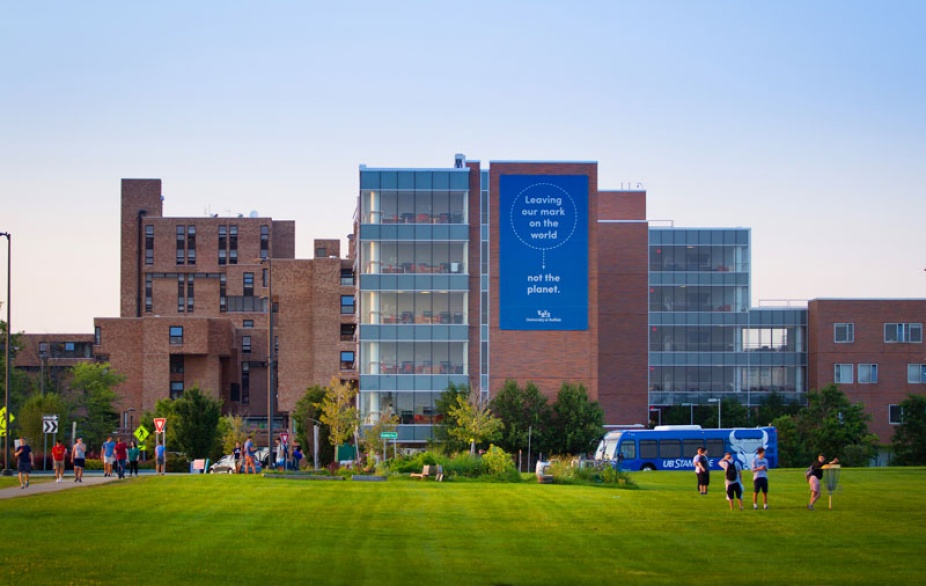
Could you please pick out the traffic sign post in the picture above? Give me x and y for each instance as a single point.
(389, 435)
(160, 428)
(49, 427)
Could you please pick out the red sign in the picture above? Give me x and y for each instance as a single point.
(159, 424)
(284, 437)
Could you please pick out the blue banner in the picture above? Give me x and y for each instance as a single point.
(543, 252)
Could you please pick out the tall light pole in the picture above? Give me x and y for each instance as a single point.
(719, 402)
(7, 471)
(270, 352)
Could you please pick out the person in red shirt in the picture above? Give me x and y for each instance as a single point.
(57, 457)
(121, 452)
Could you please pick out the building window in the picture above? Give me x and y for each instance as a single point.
(321, 252)
(176, 363)
(916, 374)
(264, 241)
(97, 337)
(233, 245)
(249, 284)
(843, 374)
(180, 294)
(189, 293)
(347, 360)
(895, 414)
(265, 278)
(248, 323)
(149, 288)
(246, 344)
(149, 245)
(191, 245)
(347, 277)
(867, 373)
(223, 244)
(245, 383)
(347, 332)
(223, 297)
(903, 333)
(844, 333)
(176, 389)
(347, 304)
(176, 334)
(181, 235)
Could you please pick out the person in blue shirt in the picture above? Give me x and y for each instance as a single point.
(760, 479)
(159, 458)
(109, 447)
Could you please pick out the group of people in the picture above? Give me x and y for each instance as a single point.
(733, 477)
(245, 456)
(119, 454)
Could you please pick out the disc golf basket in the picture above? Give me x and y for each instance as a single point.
(831, 478)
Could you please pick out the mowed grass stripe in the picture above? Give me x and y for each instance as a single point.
(240, 530)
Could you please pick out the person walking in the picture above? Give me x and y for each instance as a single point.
(297, 456)
(25, 460)
(733, 472)
(121, 454)
(160, 458)
(760, 479)
(133, 454)
(78, 455)
(248, 450)
(58, 452)
(815, 475)
(108, 456)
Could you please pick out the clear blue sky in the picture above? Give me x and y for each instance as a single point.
(805, 121)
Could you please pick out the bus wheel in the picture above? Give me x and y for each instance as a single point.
(648, 468)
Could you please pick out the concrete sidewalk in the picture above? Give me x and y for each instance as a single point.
(49, 484)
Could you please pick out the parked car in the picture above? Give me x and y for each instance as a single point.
(226, 464)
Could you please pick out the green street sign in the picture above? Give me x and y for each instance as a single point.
(389, 435)
(141, 434)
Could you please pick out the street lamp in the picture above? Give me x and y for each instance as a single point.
(719, 403)
(7, 471)
(270, 351)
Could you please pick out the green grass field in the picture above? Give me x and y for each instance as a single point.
(250, 530)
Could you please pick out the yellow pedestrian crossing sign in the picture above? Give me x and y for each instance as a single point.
(142, 433)
(3, 421)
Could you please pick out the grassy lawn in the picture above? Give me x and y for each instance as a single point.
(249, 530)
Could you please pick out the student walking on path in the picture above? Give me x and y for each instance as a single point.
(133, 454)
(25, 461)
(58, 452)
(78, 458)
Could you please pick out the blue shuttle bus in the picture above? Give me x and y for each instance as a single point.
(672, 447)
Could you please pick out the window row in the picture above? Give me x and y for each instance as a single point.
(186, 244)
(723, 339)
(414, 207)
(698, 298)
(894, 333)
(413, 257)
(868, 374)
(413, 358)
(725, 379)
(411, 407)
(699, 258)
(401, 307)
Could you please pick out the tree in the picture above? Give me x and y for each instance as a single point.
(791, 450)
(232, 431)
(475, 424)
(526, 414)
(338, 412)
(577, 421)
(92, 392)
(773, 406)
(30, 417)
(909, 441)
(196, 426)
(443, 405)
(373, 443)
(306, 413)
(836, 427)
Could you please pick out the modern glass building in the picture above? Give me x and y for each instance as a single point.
(413, 251)
(706, 341)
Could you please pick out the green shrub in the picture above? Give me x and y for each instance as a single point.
(499, 465)
(464, 466)
(566, 470)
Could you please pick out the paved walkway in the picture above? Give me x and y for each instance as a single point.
(49, 484)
